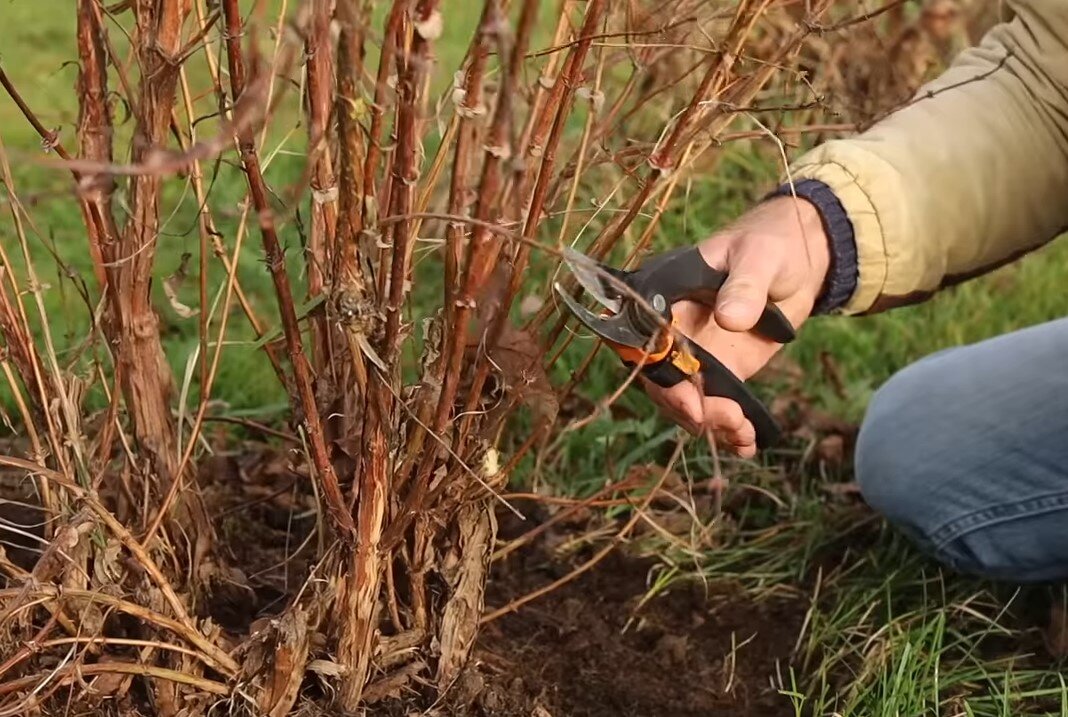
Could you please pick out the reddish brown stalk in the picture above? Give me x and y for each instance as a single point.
(350, 278)
(383, 197)
(276, 264)
(320, 70)
(351, 18)
(94, 127)
(558, 102)
(543, 85)
(387, 62)
(470, 111)
(359, 594)
(662, 161)
(498, 150)
(561, 99)
(147, 383)
(426, 22)
(365, 573)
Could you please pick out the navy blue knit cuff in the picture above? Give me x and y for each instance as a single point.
(842, 275)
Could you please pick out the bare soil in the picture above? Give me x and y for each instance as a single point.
(592, 649)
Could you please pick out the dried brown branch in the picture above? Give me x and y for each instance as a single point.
(71, 673)
(276, 264)
(321, 244)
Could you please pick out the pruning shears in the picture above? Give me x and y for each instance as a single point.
(637, 323)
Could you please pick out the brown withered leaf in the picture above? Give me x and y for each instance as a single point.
(108, 684)
(849, 489)
(107, 567)
(327, 668)
(392, 686)
(519, 360)
(467, 578)
(173, 283)
(831, 449)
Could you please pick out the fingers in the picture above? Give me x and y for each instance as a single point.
(681, 402)
(683, 405)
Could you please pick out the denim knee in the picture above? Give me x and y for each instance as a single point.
(965, 451)
(901, 463)
(925, 462)
(894, 449)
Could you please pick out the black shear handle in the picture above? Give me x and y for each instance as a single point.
(684, 274)
(719, 381)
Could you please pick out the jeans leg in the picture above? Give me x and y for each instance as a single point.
(967, 452)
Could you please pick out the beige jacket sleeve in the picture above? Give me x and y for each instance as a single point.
(969, 176)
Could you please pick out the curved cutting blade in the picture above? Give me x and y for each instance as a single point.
(591, 275)
(612, 328)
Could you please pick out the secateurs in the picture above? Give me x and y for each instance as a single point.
(638, 335)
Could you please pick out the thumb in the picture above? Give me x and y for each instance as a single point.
(743, 296)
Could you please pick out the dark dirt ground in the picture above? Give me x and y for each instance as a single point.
(585, 651)
(591, 648)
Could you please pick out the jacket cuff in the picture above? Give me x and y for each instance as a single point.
(841, 281)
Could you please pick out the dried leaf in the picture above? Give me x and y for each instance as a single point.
(595, 97)
(518, 358)
(174, 282)
(290, 653)
(432, 27)
(832, 449)
(107, 566)
(107, 684)
(467, 578)
(433, 339)
(395, 649)
(393, 685)
(491, 463)
(530, 305)
(370, 353)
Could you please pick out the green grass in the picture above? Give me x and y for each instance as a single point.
(889, 633)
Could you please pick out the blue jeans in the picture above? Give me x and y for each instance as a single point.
(966, 451)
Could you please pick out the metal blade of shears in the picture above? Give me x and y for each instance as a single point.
(591, 275)
(616, 328)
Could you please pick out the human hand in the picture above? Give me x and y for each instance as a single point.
(777, 251)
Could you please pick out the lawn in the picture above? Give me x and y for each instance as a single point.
(884, 632)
